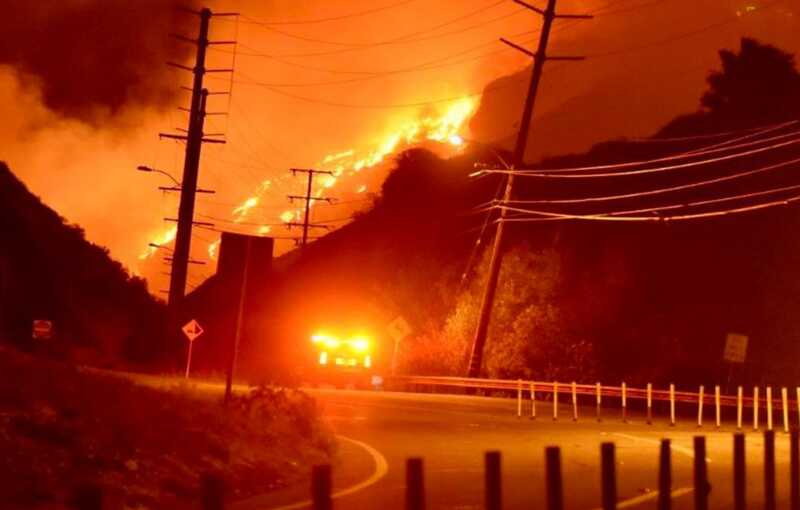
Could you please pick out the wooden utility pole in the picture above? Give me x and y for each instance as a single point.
(539, 58)
(308, 198)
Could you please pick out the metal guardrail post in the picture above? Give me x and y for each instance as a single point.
(519, 398)
(665, 476)
(599, 391)
(415, 484)
(756, 404)
(769, 407)
(574, 402)
(533, 401)
(701, 487)
(717, 409)
(624, 403)
(739, 399)
(608, 476)
(321, 487)
(671, 405)
(769, 470)
(555, 491)
(739, 473)
(785, 402)
(700, 399)
(555, 401)
(493, 481)
(649, 404)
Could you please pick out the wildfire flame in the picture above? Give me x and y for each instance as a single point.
(165, 238)
(445, 128)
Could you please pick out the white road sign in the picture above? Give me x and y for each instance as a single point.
(735, 348)
(192, 330)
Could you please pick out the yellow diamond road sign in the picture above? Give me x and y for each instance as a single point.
(399, 328)
(192, 330)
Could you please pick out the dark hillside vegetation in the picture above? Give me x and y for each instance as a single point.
(48, 270)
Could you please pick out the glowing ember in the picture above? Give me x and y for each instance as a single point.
(264, 229)
(287, 216)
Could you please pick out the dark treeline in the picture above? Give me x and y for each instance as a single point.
(48, 270)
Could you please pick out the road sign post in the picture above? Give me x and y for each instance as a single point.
(191, 330)
(397, 329)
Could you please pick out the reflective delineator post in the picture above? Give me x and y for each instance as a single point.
(665, 476)
(672, 405)
(785, 402)
(649, 403)
(608, 476)
(701, 486)
(755, 408)
(321, 487)
(769, 407)
(493, 481)
(533, 401)
(599, 391)
(700, 398)
(555, 492)
(519, 398)
(739, 473)
(574, 402)
(769, 470)
(555, 400)
(717, 406)
(739, 399)
(624, 403)
(415, 484)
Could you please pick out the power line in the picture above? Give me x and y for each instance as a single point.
(660, 191)
(332, 18)
(695, 216)
(404, 39)
(553, 175)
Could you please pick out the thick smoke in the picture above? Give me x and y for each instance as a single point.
(94, 58)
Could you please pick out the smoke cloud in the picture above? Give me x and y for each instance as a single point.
(92, 59)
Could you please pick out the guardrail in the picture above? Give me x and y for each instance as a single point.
(527, 391)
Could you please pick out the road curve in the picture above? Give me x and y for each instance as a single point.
(452, 433)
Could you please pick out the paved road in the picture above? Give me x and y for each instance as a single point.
(453, 432)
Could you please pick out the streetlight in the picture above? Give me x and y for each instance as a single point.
(143, 168)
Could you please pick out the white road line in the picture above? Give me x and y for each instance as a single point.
(638, 500)
(380, 470)
(677, 448)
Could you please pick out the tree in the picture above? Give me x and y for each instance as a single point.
(526, 337)
(758, 85)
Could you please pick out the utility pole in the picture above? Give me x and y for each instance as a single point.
(194, 137)
(539, 58)
(308, 198)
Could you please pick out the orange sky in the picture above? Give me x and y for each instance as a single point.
(313, 99)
